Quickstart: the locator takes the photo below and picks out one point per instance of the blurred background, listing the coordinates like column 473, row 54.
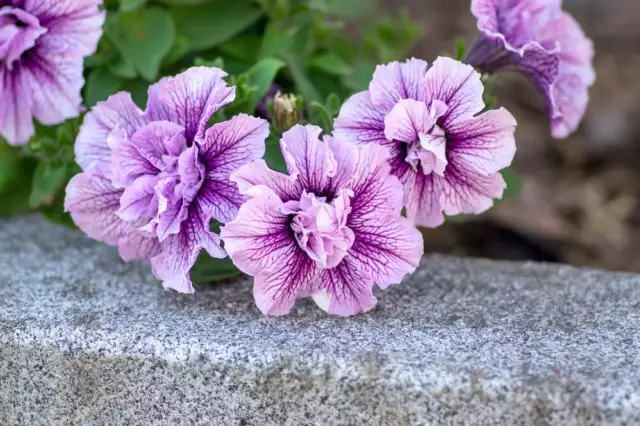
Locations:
column 579, row 198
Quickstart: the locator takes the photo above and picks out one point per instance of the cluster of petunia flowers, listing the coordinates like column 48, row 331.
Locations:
column 420, row 141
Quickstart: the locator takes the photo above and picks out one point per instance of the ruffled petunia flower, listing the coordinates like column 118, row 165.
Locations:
column 153, row 180
column 42, row 47
column 446, row 153
column 329, row 230
column 538, row 39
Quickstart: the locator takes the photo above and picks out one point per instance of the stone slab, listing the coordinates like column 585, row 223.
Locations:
column 88, row 340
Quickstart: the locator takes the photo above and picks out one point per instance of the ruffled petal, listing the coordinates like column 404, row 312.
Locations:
column 345, row 290
column 180, row 251
column 310, row 161
column 486, row 143
column 190, row 99
column 231, row 144
column 256, row 177
column 117, row 112
column 139, row 200
column 359, row 121
column 260, row 235
column 396, row 81
column 138, row 246
column 75, row 23
column 407, row 120
column 458, row 86
column 422, row 199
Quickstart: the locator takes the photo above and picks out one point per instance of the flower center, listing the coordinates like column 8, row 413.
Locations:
column 19, row 31
column 320, row 228
column 429, row 151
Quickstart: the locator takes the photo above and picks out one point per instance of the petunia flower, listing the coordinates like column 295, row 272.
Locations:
column 329, row 230
column 446, row 153
column 544, row 43
column 153, row 180
column 42, row 47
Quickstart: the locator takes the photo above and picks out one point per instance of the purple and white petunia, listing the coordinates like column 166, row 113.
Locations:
column 538, row 39
column 42, row 47
column 153, row 180
column 446, row 153
column 329, row 230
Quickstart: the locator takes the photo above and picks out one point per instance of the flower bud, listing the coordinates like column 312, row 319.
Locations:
column 286, row 111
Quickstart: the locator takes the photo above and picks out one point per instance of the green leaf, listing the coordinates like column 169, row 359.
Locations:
column 209, row 24
column 100, row 85
column 260, row 76
column 273, row 155
column 144, row 38
column 244, row 48
column 215, row 63
column 514, row 184
column 209, row 270
column 123, row 68
column 47, row 180
column 461, row 49
column 16, row 174
column 319, row 115
column 129, row 5
column 361, row 77
column 180, row 48
column 330, row 63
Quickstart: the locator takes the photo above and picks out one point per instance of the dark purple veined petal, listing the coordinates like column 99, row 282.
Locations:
column 260, row 237
column 190, row 99
column 398, row 80
column 360, row 122
column 344, row 290
column 229, row 145
column 16, row 122
column 458, row 86
column 486, row 142
column 180, row 251
column 276, row 288
column 309, row 160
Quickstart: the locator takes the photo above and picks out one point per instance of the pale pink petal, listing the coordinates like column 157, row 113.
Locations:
column 117, row 112
column 359, row 121
column 93, row 203
column 422, row 199
column 396, row 81
column 309, row 160
column 253, row 178
column 139, row 199
column 407, row 120
column 138, row 246
column 486, row 143
column 458, row 86
column 345, row 290
column 190, row 99
column 346, row 155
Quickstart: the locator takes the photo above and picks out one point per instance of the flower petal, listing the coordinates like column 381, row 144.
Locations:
column 344, row 290
column 190, row 99
column 93, row 203
column 462, row 190
column 16, row 121
column 139, row 200
column 422, row 199
column 76, row 23
column 260, row 235
column 388, row 249
column 359, row 121
column 231, row 144
column 276, row 289
column 396, row 81
column 221, row 197
column 117, row 112
column 138, row 246
column 407, row 120
column 180, row 251
column 310, row 161
column 376, row 193
column 487, row 142
column 253, row 178
column 458, row 86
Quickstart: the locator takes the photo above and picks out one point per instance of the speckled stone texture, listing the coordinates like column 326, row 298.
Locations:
column 88, row 340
